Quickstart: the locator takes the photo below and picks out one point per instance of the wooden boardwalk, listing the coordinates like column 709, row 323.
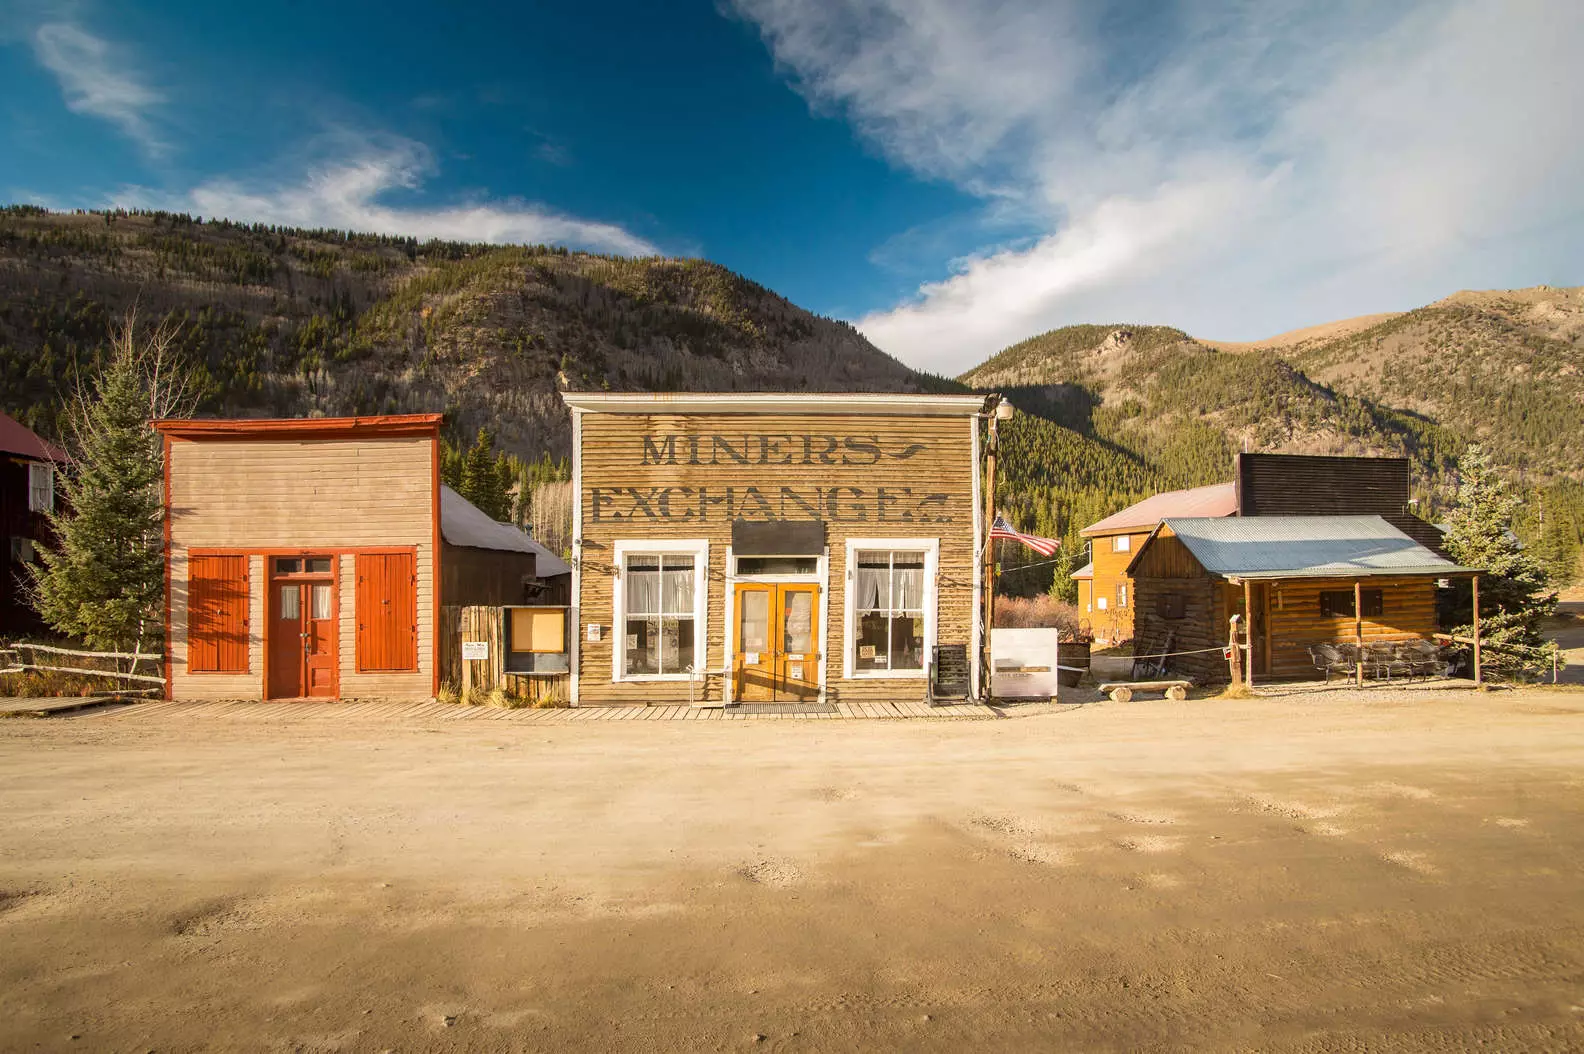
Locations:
column 406, row 712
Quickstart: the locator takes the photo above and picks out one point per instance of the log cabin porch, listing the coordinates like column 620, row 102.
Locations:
column 1314, row 597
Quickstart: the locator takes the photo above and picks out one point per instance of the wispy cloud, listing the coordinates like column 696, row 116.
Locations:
column 1238, row 169
column 98, row 82
column 352, row 191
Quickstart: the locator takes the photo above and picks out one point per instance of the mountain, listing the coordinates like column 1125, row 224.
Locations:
column 285, row 322
column 289, row 322
column 1504, row 369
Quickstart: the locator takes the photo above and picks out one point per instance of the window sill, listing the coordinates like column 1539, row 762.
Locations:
column 641, row 678
column 885, row 675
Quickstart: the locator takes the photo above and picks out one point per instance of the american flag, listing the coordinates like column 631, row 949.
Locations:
column 1043, row 546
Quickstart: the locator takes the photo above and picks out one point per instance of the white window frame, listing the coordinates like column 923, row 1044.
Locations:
column 698, row 548
column 930, row 547
column 1122, row 595
column 46, row 471
column 1121, row 543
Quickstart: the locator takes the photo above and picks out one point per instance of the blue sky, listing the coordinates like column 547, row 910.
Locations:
column 952, row 177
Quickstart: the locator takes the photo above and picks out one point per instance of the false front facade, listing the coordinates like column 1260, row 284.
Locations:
column 771, row 548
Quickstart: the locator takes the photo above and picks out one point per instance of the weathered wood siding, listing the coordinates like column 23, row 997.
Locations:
column 459, row 624
column 1167, row 579
column 1408, row 613
column 925, row 493
column 1304, row 485
column 483, row 576
column 327, row 495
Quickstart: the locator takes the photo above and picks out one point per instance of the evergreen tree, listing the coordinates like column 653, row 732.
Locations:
column 482, row 481
column 104, row 583
column 1514, row 597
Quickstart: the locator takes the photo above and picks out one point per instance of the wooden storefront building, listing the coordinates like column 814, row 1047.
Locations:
column 771, row 548
column 1294, row 582
column 307, row 558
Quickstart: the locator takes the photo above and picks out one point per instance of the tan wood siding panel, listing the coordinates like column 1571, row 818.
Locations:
column 1110, row 571
column 904, row 497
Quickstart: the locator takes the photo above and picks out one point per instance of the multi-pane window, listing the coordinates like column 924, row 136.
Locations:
column 658, row 613
column 1121, row 594
column 41, row 487
column 1338, row 603
column 888, row 606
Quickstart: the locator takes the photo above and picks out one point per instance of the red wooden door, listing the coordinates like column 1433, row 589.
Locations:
column 302, row 640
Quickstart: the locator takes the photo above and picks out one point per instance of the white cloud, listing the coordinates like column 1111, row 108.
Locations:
column 93, row 82
column 1236, row 171
column 347, row 193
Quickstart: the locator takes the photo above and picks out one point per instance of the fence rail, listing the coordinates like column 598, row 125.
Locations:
column 12, row 655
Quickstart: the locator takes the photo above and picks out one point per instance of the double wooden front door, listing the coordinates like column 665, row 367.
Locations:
column 302, row 638
column 776, row 642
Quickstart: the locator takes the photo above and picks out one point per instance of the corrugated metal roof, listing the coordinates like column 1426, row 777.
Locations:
column 465, row 524
column 1086, row 571
column 1219, row 499
column 1305, row 547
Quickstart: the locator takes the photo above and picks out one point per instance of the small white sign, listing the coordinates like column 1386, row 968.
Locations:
column 795, row 671
column 750, row 658
column 593, row 631
column 475, row 649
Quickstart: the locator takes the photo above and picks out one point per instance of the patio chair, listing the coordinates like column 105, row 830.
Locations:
column 1329, row 659
column 1384, row 660
column 1422, row 657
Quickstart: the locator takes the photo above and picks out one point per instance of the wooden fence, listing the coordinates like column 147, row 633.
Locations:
column 486, row 625
column 12, row 658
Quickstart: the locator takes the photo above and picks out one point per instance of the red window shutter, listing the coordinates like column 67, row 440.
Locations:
column 387, row 612
column 217, row 614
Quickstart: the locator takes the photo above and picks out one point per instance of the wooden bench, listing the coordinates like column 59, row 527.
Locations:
column 1122, row 691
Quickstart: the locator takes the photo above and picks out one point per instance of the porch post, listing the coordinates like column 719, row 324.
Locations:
column 1358, row 628
column 1248, row 622
column 1479, row 673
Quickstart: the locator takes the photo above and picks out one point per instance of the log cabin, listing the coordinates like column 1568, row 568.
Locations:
column 1295, row 581
column 1263, row 485
column 27, row 497
column 310, row 558
column 772, row 548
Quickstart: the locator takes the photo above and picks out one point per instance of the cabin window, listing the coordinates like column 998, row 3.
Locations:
column 21, row 550
column 1171, row 606
column 888, row 605
column 777, row 565
column 1338, row 603
column 1122, row 595
column 1121, row 543
column 660, row 611
column 41, row 487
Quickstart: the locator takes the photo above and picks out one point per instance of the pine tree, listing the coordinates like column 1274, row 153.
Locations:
column 104, row 582
column 1514, row 597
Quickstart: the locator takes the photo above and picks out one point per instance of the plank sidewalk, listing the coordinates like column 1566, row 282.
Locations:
column 409, row 711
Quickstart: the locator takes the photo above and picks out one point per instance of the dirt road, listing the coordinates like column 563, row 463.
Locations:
column 1261, row 875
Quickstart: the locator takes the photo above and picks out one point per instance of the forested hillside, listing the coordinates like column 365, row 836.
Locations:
column 289, row 322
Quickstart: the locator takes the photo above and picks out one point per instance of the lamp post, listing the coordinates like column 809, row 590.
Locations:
column 997, row 410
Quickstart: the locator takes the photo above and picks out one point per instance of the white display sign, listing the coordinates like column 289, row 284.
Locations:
column 593, row 631
column 750, row 658
column 475, row 649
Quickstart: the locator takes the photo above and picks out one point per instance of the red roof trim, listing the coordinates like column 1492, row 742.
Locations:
column 303, row 427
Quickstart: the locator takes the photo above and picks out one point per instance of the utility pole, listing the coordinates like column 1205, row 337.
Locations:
column 996, row 409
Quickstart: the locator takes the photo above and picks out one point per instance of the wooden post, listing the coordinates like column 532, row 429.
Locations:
column 1233, row 660
column 1479, row 672
column 988, row 557
column 1358, row 629
column 1248, row 621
